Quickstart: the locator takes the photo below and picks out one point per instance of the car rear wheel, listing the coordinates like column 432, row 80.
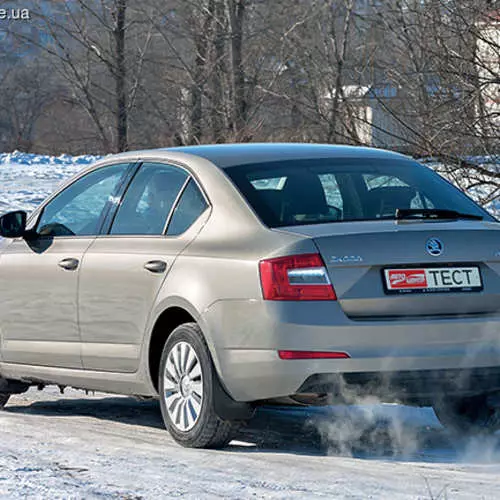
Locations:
column 472, row 415
column 186, row 391
column 4, row 397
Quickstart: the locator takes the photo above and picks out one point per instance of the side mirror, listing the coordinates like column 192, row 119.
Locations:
column 13, row 224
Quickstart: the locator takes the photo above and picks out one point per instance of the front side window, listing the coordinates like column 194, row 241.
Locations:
column 149, row 199
column 296, row 192
column 79, row 209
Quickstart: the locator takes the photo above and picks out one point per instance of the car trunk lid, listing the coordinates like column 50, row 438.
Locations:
column 357, row 254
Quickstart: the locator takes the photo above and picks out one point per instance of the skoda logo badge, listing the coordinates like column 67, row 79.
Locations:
column 434, row 247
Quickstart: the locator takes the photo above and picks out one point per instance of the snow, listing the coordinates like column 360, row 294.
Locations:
column 19, row 158
column 478, row 186
column 101, row 446
column 107, row 446
column 27, row 179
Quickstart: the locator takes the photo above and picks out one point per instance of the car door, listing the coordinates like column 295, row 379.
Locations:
column 39, row 274
column 123, row 270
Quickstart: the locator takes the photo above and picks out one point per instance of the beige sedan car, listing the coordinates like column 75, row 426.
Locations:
column 222, row 277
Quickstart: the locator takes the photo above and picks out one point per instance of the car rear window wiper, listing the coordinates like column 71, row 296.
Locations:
column 433, row 213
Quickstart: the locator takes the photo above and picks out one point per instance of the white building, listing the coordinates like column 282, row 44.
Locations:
column 375, row 114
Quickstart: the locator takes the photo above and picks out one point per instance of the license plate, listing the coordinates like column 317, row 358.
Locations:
column 433, row 279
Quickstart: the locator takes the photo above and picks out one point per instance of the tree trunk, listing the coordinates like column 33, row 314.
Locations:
column 239, row 107
column 199, row 75
column 217, row 104
column 340, row 56
column 196, row 116
column 121, row 112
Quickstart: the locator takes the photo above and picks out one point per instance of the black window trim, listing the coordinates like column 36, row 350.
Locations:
column 112, row 208
column 174, row 205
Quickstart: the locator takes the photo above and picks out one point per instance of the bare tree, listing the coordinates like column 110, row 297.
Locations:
column 325, row 67
column 415, row 75
column 24, row 97
column 88, row 50
column 438, row 61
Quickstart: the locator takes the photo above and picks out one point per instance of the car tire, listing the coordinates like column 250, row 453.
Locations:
column 468, row 416
column 4, row 398
column 186, row 391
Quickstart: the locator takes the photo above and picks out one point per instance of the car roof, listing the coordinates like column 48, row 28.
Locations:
column 229, row 155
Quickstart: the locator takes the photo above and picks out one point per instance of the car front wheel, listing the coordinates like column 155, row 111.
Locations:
column 186, row 391
column 466, row 416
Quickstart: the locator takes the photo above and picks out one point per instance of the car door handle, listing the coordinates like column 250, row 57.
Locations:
column 69, row 264
column 155, row 266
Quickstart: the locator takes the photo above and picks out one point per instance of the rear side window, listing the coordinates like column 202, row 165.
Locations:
column 296, row 192
column 149, row 199
column 191, row 205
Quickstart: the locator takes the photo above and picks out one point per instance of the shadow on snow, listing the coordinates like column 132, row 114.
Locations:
column 388, row 432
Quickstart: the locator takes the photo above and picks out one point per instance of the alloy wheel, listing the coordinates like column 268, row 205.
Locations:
column 183, row 386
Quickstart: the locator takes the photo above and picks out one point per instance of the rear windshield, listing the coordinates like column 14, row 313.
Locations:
column 298, row 192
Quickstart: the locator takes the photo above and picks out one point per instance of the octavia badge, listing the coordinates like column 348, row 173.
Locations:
column 434, row 247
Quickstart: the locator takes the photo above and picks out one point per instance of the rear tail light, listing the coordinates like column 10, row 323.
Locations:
column 312, row 355
column 296, row 277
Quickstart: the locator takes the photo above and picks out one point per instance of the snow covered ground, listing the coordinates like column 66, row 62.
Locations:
column 77, row 446
column 27, row 179
column 105, row 446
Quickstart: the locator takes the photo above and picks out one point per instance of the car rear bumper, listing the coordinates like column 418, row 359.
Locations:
column 260, row 375
column 423, row 357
